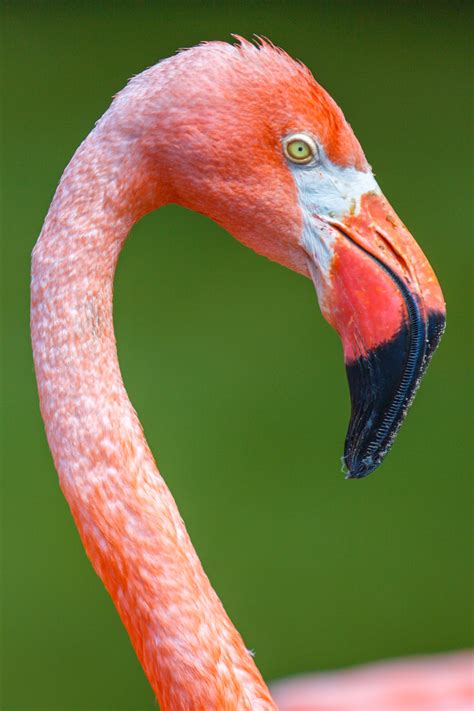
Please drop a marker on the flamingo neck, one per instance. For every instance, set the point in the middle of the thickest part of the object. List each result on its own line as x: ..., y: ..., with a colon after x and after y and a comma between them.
x: 126, y: 516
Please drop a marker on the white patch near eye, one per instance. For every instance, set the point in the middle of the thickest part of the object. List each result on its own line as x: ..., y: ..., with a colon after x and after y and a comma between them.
x: 326, y: 191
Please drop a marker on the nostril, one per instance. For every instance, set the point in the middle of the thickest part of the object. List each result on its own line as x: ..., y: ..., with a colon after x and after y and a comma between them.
x: 385, y: 244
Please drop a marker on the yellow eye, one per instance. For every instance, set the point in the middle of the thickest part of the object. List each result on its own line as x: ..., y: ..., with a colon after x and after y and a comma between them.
x: 300, y: 148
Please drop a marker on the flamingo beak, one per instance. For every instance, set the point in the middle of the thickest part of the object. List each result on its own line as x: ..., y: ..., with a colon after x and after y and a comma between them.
x: 383, y: 298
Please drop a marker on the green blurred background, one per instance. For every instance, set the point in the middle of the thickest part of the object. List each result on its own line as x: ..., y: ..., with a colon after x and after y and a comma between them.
x: 237, y: 379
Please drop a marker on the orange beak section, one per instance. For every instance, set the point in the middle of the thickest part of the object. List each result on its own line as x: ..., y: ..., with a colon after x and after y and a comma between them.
x: 385, y: 302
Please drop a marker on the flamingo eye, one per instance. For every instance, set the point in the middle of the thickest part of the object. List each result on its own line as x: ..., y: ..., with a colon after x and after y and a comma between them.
x: 300, y: 148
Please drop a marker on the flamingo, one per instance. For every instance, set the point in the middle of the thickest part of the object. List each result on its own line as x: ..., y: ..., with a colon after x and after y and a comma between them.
x: 243, y: 134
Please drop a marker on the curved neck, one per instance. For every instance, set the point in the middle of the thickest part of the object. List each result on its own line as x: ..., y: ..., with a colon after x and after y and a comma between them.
x: 125, y: 514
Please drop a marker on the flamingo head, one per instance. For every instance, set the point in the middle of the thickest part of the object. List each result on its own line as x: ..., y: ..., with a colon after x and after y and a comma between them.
x: 246, y: 136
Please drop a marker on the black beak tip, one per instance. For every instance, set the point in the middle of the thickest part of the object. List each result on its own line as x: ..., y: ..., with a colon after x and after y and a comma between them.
x: 382, y: 385
x: 358, y: 469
